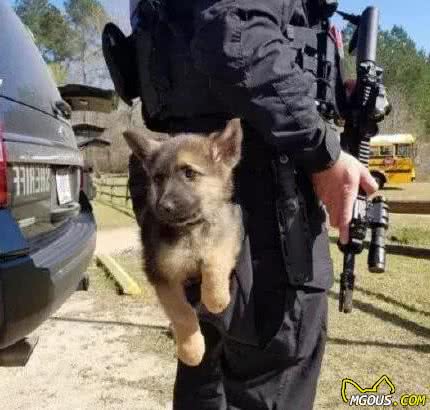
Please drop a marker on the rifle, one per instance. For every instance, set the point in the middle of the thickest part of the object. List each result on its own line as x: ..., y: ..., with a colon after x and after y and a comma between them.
x: 368, y: 107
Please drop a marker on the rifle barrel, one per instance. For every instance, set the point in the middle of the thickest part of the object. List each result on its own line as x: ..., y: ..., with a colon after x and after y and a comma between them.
x: 368, y: 35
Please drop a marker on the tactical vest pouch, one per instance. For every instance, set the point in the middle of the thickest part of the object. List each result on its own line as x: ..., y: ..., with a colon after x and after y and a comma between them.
x: 176, y: 97
x: 118, y: 51
x: 318, y: 57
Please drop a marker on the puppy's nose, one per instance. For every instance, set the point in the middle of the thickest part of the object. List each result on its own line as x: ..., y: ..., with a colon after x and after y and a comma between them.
x: 168, y: 206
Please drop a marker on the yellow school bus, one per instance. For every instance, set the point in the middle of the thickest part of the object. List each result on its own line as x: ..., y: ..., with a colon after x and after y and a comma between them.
x: 392, y: 159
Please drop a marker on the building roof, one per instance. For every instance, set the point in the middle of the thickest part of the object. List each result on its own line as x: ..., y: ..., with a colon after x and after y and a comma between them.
x: 94, y: 142
x: 86, y: 98
x: 87, y: 127
x: 389, y: 139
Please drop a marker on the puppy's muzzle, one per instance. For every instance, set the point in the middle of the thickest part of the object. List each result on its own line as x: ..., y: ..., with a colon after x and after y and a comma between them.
x: 171, y: 214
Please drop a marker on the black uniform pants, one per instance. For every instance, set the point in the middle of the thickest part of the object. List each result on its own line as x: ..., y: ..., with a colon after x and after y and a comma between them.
x: 281, y: 375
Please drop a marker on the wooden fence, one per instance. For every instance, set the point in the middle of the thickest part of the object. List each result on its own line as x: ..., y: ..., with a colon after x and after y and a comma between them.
x: 113, y: 189
x: 410, y: 207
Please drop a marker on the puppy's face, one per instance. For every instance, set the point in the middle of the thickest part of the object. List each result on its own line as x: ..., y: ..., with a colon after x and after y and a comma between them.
x: 191, y: 174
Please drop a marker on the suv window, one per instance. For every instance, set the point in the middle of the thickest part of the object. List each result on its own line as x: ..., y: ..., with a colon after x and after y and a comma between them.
x: 24, y: 76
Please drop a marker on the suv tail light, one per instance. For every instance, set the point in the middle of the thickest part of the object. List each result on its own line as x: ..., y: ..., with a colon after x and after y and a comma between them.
x: 4, y: 196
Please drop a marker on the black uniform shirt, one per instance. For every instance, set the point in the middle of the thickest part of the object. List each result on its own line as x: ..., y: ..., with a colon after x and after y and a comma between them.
x: 242, y: 47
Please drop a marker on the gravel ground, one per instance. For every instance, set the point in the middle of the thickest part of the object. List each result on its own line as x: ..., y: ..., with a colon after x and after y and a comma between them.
x: 100, y: 351
x: 118, y: 240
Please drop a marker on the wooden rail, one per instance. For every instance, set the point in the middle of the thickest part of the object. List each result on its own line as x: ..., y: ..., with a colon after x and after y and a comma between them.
x: 107, y: 189
x: 101, y: 184
x: 410, y: 207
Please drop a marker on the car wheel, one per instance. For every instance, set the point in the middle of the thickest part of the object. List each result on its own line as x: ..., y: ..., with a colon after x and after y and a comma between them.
x: 84, y: 284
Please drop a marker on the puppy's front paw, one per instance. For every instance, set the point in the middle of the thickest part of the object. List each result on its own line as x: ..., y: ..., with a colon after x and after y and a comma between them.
x: 192, y: 349
x: 215, y: 302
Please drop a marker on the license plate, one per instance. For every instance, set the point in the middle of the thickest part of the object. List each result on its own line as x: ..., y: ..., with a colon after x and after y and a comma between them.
x: 64, y: 189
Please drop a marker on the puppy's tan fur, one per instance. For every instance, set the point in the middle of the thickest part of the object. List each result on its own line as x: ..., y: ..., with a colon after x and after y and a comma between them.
x: 190, y: 228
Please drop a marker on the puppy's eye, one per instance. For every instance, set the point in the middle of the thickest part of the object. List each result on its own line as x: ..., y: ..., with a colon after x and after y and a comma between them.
x: 189, y: 173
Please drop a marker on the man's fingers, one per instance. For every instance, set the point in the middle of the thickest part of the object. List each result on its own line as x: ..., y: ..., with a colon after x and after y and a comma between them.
x: 333, y: 213
x: 349, y: 196
x: 344, y: 235
x: 334, y: 221
x: 367, y: 182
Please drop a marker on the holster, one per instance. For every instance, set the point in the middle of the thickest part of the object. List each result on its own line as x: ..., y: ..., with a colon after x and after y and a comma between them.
x: 120, y: 56
x: 294, y: 231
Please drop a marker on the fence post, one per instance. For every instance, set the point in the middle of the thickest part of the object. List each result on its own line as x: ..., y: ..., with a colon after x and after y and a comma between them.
x: 111, y: 193
x: 127, y: 195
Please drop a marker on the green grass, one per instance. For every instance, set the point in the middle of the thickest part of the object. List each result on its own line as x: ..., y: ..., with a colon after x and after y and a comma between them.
x: 108, y: 218
x: 409, y: 230
x: 388, y: 332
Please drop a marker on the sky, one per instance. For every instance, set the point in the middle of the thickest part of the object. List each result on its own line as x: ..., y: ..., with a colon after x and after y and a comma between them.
x: 413, y: 15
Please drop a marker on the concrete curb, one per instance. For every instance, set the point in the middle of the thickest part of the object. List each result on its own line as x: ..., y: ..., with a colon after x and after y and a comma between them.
x: 126, y: 284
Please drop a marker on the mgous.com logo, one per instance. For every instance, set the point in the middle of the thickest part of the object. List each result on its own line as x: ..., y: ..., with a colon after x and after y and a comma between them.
x: 373, y: 396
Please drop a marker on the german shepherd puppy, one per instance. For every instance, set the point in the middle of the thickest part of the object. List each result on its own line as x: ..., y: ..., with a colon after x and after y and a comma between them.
x: 190, y: 229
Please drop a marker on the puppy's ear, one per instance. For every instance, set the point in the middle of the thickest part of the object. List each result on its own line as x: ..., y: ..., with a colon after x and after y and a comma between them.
x: 226, y: 146
x: 141, y: 145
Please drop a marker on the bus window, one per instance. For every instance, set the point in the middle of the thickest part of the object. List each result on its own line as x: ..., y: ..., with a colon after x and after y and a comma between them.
x: 374, y: 151
x: 404, y: 150
x: 387, y: 151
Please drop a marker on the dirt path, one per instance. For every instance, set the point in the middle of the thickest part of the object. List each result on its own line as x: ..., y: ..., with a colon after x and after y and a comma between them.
x: 118, y: 240
x: 116, y: 232
x: 98, y: 352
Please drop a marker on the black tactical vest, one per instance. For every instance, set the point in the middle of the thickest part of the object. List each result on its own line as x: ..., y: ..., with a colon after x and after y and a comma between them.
x: 155, y: 64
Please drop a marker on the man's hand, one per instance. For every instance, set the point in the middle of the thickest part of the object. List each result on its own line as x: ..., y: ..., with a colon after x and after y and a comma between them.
x: 338, y: 188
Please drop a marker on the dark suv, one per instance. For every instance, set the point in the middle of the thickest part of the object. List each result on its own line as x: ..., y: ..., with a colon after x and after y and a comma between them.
x: 47, y: 229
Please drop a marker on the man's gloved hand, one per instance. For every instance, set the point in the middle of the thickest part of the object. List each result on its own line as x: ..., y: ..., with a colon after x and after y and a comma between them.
x: 338, y: 188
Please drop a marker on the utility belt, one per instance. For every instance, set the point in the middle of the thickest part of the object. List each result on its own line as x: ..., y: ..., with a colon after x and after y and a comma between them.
x: 200, y: 124
x: 293, y: 224
x: 284, y: 218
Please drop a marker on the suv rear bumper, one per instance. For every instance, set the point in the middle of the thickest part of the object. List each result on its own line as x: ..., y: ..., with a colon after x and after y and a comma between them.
x: 32, y: 287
